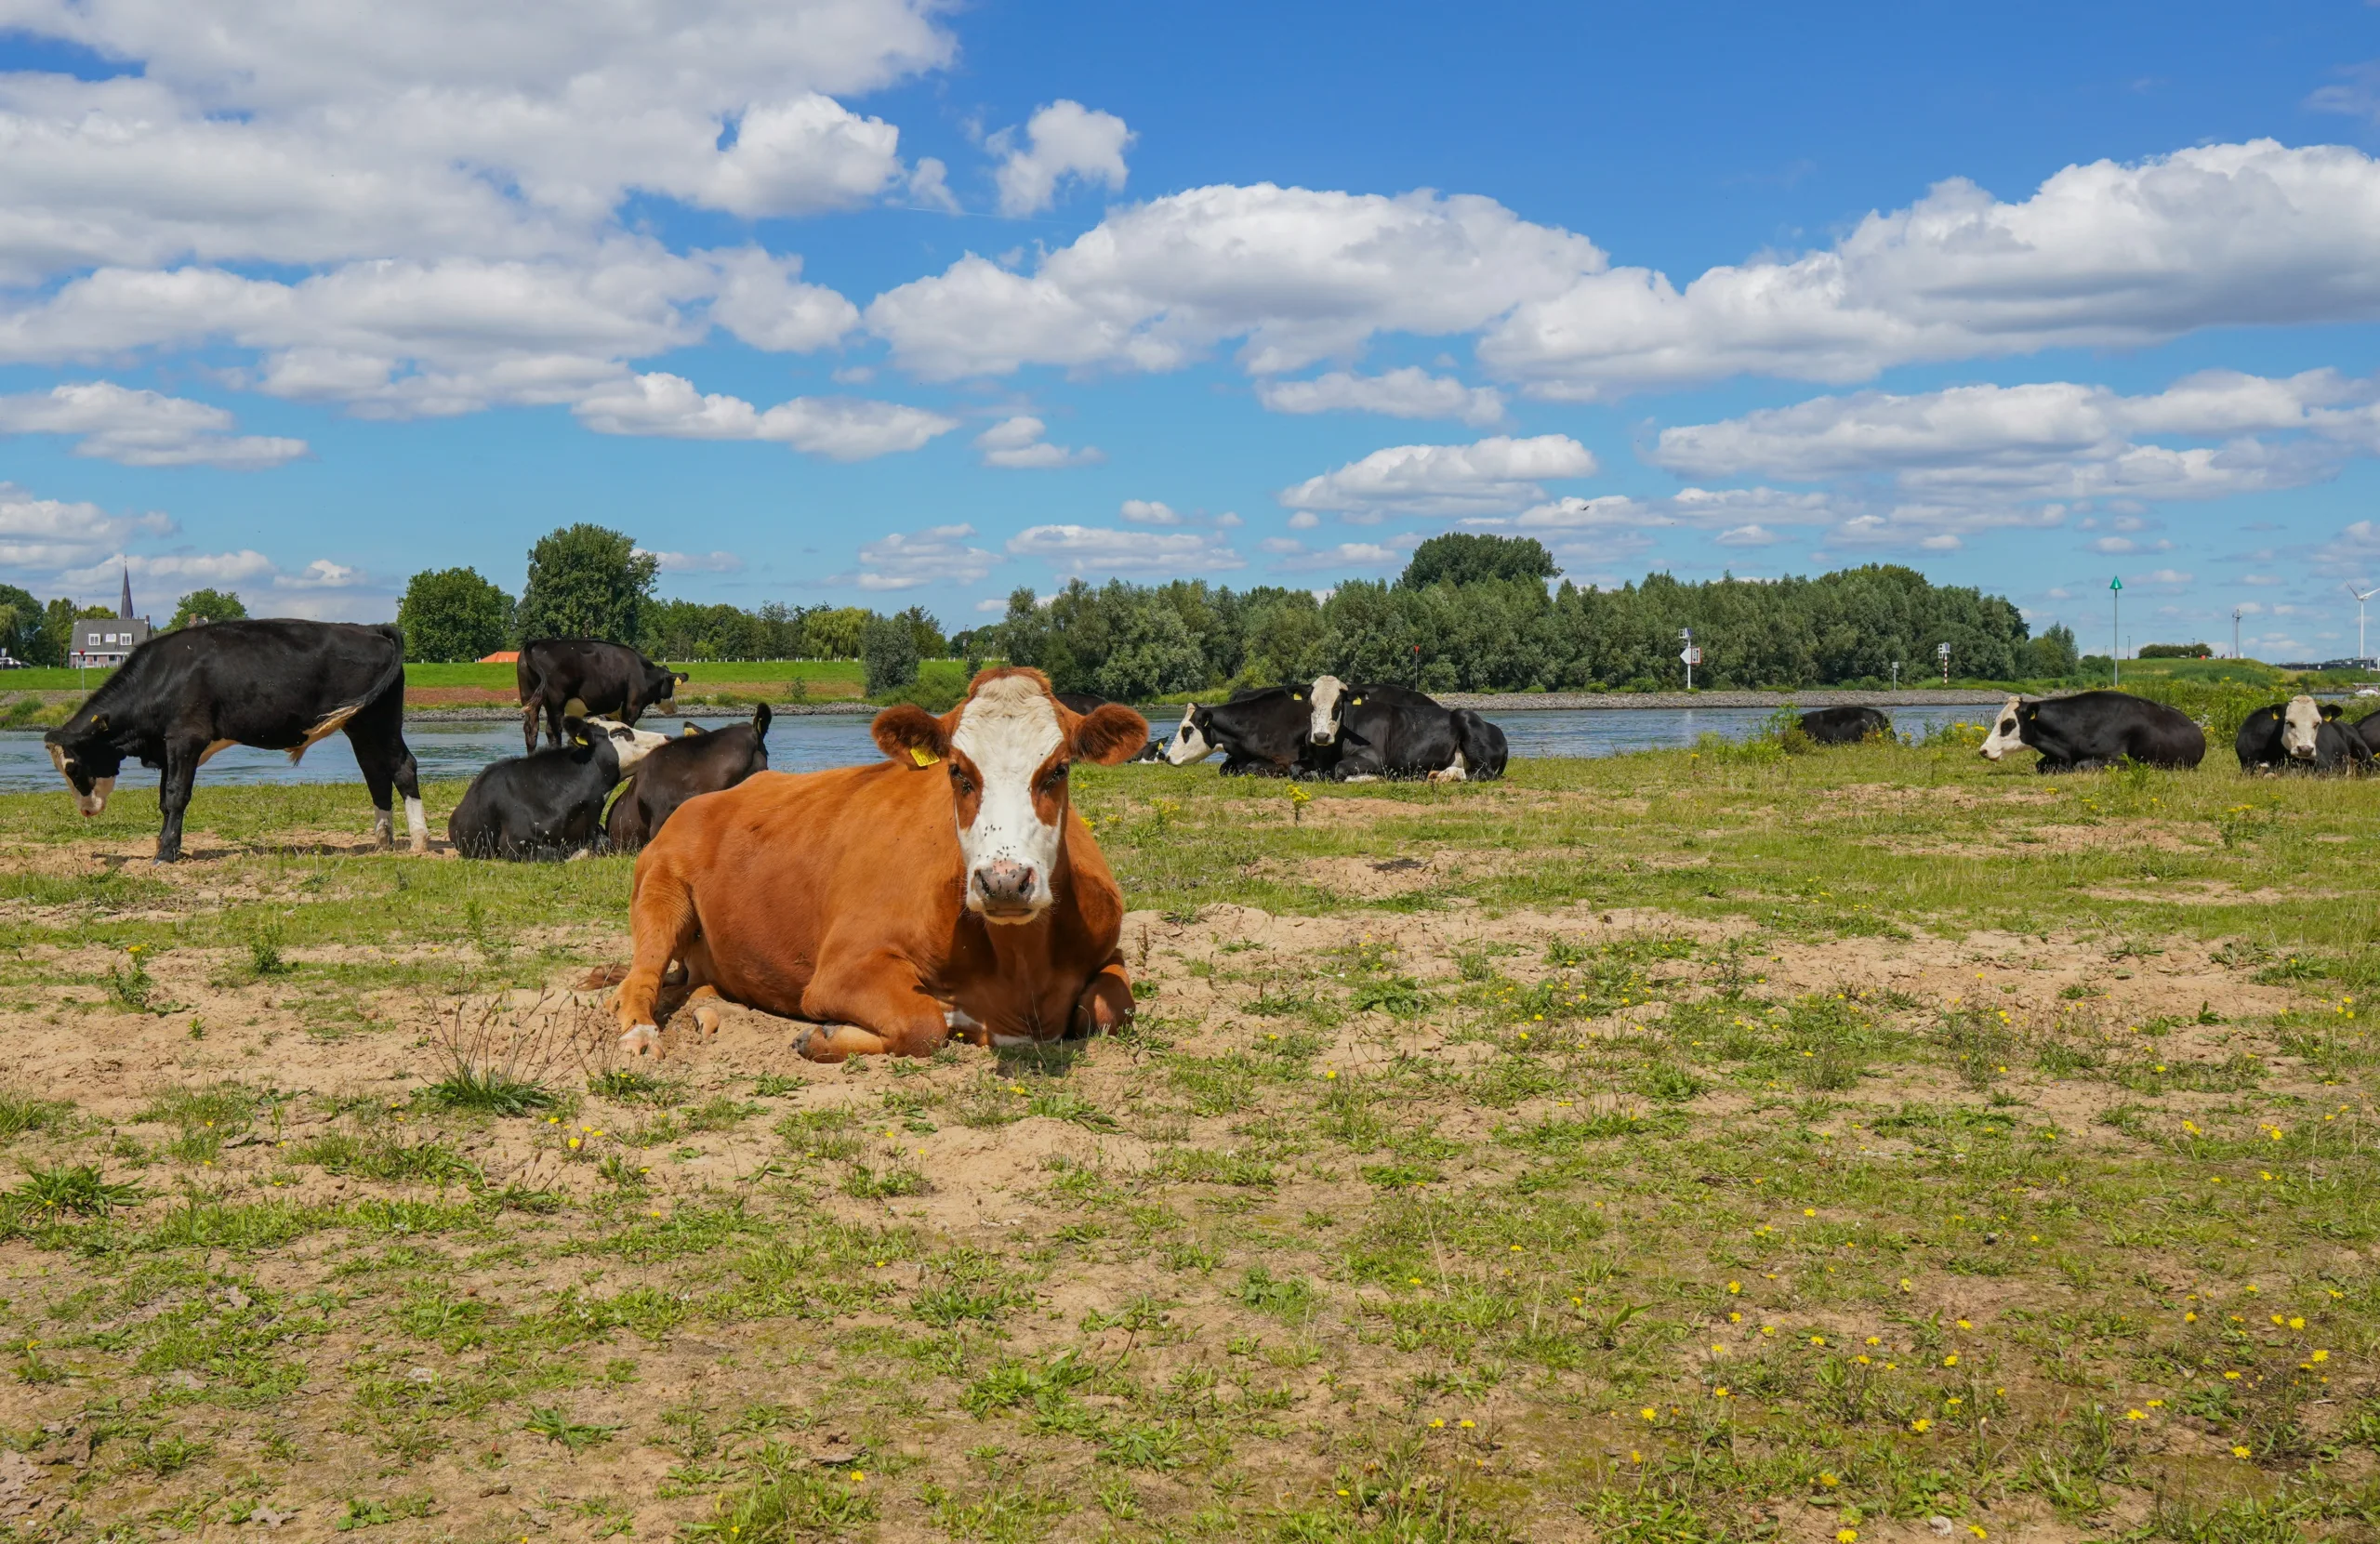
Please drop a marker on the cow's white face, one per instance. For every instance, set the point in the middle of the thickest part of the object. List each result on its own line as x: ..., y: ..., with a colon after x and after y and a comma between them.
x: 1328, y: 692
x: 1190, y: 742
x: 2004, y: 736
x: 2301, y: 723
x: 1007, y: 749
x: 631, y: 744
x: 90, y: 793
x: 1007, y: 768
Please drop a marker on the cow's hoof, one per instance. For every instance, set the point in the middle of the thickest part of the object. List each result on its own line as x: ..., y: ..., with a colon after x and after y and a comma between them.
x: 643, y: 1040
x: 816, y: 1043
x: 708, y: 1017
x: 421, y: 847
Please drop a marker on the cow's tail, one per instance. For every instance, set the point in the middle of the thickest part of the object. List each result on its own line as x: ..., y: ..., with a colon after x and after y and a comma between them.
x: 392, y: 679
x: 761, y: 716
x: 529, y: 682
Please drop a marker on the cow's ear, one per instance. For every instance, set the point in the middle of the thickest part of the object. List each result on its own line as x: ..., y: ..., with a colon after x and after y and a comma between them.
x: 2332, y: 710
x: 1297, y: 696
x: 573, y: 728
x: 688, y: 732
x: 100, y: 724
x: 1108, y: 735
x: 909, y: 733
x: 1354, y: 702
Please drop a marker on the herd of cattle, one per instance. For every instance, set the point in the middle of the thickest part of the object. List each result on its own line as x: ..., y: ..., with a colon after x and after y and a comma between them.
x: 601, y: 781
x: 948, y: 891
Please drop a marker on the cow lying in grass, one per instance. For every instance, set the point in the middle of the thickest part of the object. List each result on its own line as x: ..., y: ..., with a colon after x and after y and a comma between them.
x: 550, y: 804
x: 696, y: 762
x: 948, y: 889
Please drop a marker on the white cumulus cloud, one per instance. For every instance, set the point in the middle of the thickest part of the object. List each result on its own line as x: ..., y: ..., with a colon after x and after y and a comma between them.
x: 142, y: 429
x: 1488, y: 477
x: 1411, y: 392
x: 1064, y: 141
x: 1088, y: 551
x: 44, y: 536
x: 2104, y: 254
x: 693, y: 562
x: 1300, y: 276
x: 939, y: 554
x: 842, y: 428
x: 1019, y: 442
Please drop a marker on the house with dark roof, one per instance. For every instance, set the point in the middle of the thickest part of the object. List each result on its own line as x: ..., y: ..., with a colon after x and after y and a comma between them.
x: 109, y: 640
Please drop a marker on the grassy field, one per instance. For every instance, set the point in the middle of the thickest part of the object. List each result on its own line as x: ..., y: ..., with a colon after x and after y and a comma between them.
x: 1866, y: 1146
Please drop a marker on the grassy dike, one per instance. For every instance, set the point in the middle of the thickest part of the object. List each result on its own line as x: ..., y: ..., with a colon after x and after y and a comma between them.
x: 1667, y: 1148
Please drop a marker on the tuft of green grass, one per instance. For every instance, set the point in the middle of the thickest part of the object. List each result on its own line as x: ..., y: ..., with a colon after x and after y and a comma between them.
x: 550, y: 1422
x: 20, y: 1112
x: 74, y: 1190
x: 490, y: 1091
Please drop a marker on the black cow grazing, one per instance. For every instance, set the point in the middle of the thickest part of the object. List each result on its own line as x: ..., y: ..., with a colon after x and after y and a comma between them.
x: 2300, y: 735
x: 1261, y: 733
x: 549, y: 803
x: 677, y: 769
x: 606, y: 678
x: 1845, y: 726
x: 1480, y: 745
x: 2097, y: 729
x: 278, y: 684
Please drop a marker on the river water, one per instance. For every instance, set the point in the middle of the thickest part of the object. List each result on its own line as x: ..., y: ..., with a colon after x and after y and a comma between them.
x: 807, y: 742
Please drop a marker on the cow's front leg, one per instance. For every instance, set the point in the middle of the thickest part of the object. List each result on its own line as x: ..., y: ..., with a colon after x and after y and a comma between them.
x: 173, y: 787
x: 1106, y: 1005
x: 872, y: 1006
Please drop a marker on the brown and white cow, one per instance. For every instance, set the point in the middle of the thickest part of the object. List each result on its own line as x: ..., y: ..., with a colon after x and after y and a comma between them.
x: 949, y: 889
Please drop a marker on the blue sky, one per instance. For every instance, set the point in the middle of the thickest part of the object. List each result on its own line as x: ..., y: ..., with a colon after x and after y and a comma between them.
x: 862, y: 300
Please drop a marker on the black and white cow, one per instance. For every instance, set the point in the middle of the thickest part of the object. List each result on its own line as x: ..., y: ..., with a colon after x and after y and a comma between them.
x: 603, y: 677
x: 1262, y: 733
x: 2367, y: 729
x: 2095, y: 729
x: 1481, y: 745
x: 1387, y: 730
x: 1845, y: 726
x: 549, y: 803
x: 2302, y: 736
x: 696, y: 762
x: 277, y: 683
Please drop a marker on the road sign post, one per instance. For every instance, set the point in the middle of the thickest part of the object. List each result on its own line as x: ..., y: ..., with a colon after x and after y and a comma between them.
x: 1942, y: 653
x: 2115, y: 636
x: 1690, y: 654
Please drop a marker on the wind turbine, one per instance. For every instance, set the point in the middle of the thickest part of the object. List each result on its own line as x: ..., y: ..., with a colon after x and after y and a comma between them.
x: 2360, y: 597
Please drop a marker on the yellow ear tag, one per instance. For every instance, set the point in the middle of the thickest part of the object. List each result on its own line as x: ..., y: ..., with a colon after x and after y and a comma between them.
x: 922, y: 756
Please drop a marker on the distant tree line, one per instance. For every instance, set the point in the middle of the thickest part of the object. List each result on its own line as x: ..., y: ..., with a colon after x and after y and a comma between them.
x: 588, y: 581
x: 1468, y: 613
x: 1474, y: 614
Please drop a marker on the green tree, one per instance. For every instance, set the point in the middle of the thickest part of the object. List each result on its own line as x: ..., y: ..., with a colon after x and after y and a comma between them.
x: 23, y: 635
x: 587, y: 581
x: 834, y: 634
x: 925, y: 629
x: 450, y: 615
x: 889, y: 649
x: 205, y: 605
x: 2053, y: 653
x: 1461, y: 558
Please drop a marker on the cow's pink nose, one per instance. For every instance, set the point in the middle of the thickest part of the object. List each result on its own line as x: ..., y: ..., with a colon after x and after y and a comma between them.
x: 1005, y: 883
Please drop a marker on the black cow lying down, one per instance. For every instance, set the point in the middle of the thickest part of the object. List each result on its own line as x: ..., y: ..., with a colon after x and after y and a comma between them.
x: 2301, y: 735
x: 1262, y: 732
x: 277, y: 683
x: 1845, y: 726
x: 549, y: 803
x: 674, y: 771
x: 602, y: 677
x: 2095, y: 729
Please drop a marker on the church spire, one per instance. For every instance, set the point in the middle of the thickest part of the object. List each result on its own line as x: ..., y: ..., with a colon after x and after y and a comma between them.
x: 124, y: 607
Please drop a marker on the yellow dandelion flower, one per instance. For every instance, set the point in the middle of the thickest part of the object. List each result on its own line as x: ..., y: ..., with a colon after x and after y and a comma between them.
x: 1650, y: 1412
x: 2237, y: 1451
x: 1920, y: 1425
